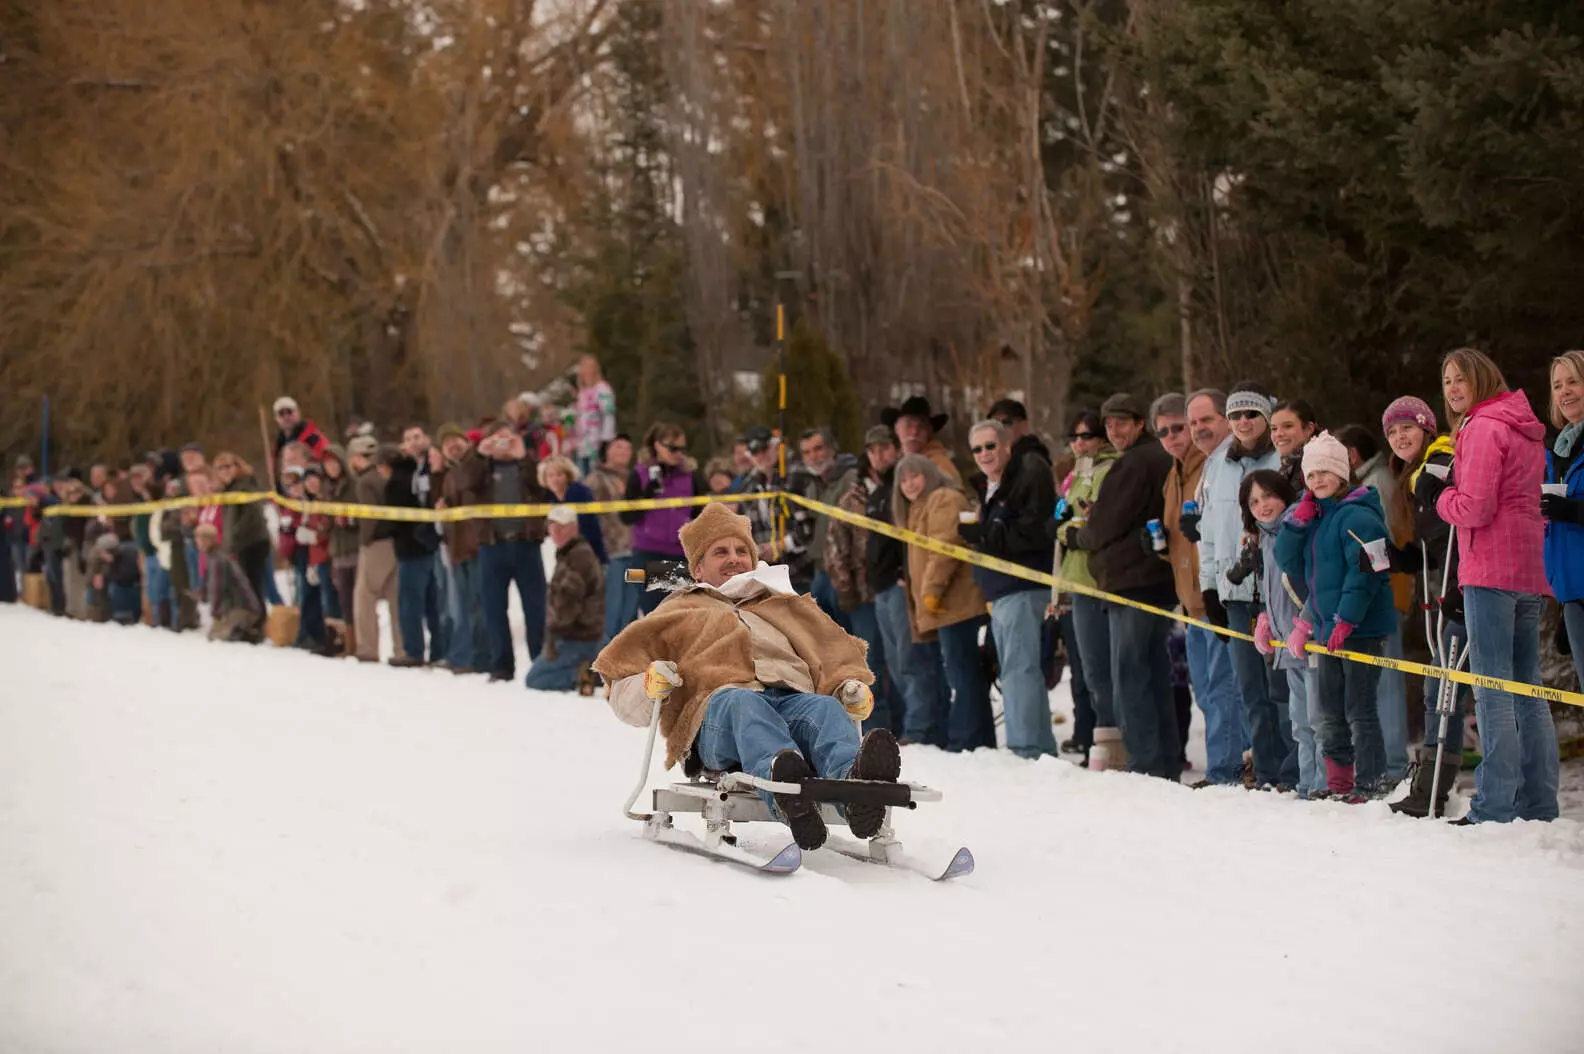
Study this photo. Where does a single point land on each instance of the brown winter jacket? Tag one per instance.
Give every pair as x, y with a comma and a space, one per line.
371, 491
459, 488
700, 630
473, 474
1183, 485
936, 451
609, 485
846, 547
575, 608
243, 526
935, 574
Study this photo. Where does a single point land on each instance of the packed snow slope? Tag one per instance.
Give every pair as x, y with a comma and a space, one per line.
212, 847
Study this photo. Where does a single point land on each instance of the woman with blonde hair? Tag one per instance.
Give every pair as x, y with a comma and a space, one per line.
561, 478
1562, 505
1493, 502
942, 597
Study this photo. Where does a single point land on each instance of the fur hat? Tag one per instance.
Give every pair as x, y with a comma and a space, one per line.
713, 524
1410, 411
1325, 453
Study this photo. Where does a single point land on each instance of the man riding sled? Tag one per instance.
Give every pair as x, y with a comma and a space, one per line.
748, 673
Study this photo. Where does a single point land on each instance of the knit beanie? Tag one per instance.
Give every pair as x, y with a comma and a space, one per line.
1246, 400
713, 524
1325, 453
1411, 411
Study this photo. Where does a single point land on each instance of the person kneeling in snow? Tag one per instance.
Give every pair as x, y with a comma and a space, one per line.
238, 615
749, 673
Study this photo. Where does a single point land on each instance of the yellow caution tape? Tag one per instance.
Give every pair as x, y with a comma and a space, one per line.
902, 534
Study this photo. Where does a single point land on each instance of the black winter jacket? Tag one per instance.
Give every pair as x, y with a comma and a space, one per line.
1014, 524
1134, 494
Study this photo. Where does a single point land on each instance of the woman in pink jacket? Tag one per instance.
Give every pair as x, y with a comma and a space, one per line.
1493, 500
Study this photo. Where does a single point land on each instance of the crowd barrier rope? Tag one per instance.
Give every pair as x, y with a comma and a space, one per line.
902, 534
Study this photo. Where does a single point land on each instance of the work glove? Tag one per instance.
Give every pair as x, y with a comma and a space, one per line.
1301, 632
1070, 540
934, 604
1304, 513
1429, 487
1558, 509
660, 679
856, 697
1215, 611
1262, 634
306, 535
1188, 527
1339, 635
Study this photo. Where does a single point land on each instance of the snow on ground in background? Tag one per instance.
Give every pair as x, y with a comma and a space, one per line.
214, 847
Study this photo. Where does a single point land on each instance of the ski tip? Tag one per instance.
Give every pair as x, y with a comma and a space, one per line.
789, 860
961, 864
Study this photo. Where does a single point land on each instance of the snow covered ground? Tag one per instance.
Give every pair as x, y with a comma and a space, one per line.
220, 848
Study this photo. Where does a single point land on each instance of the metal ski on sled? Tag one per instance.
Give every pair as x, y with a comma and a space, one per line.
730, 797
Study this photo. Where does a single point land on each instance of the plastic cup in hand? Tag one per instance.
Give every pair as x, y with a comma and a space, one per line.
968, 517
1379, 560
1556, 490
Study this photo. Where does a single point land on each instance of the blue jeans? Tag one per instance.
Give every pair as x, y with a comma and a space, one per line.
1573, 619
1142, 691
969, 724
1017, 620
621, 597
1517, 776
500, 565
126, 601
1093, 627
1215, 690
1306, 732
823, 590
1455, 634
1263, 690
1350, 734
1391, 699
418, 605
916, 669
310, 603
888, 710
748, 728
469, 641
329, 599
157, 584
560, 674
1077, 682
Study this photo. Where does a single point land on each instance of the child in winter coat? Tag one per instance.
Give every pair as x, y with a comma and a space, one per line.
1320, 543
116, 578
1266, 495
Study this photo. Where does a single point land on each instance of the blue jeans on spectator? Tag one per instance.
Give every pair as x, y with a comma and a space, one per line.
1454, 634
1306, 733
157, 584
1349, 718
1573, 621
126, 601
468, 644
1017, 619
970, 724
500, 565
916, 669
1142, 691
1518, 772
1093, 628
329, 599
823, 590
194, 579
748, 728
560, 674
1391, 699
418, 605
888, 709
621, 596
1263, 690
1077, 681
310, 606
1215, 690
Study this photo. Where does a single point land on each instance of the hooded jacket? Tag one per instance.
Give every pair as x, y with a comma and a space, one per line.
1494, 499
1324, 554
1221, 528
933, 574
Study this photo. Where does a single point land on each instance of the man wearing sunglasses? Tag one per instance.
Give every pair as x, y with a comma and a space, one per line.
294, 428
1261, 686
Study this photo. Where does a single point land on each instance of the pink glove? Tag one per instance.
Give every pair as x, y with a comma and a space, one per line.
1306, 510
1339, 634
1262, 635
1301, 632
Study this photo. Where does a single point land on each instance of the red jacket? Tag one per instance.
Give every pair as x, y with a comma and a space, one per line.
318, 526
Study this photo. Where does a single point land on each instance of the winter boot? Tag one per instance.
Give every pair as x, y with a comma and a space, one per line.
1339, 779
1108, 751
1417, 803
878, 759
162, 615
801, 815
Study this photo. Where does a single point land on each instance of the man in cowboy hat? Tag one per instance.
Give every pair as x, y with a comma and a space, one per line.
915, 428
749, 673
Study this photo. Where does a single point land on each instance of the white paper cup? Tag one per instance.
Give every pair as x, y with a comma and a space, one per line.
1379, 560
1439, 471
1558, 490
967, 517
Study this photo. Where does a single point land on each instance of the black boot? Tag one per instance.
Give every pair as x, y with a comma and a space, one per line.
878, 759
1417, 804
801, 815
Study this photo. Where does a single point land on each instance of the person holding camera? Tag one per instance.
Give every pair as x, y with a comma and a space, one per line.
665, 471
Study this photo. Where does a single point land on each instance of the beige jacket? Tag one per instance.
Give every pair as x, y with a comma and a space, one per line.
934, 574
